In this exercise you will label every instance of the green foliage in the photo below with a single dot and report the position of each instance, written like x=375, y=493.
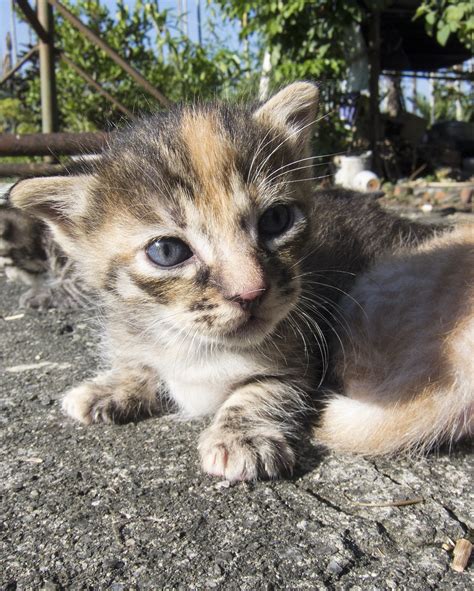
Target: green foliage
x=306, y=40
x=446, y=17
x=150, y=40
x=445, y=98
x=422, y=106
x=14, y=117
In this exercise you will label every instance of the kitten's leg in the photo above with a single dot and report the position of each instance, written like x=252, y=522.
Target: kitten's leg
x=253, y=431
x=115, y=396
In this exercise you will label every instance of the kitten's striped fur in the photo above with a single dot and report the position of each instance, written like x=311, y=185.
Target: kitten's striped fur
x=205, y=174
x=408, y=365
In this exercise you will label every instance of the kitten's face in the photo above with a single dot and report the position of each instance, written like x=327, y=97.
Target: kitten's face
x=195, y=223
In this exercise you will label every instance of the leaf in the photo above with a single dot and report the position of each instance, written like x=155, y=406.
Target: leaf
x=430, y=18
x=442, y=34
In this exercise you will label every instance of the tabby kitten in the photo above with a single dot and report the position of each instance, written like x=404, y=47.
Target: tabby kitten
x=30, y=256
x=218, y=268
x=407, y=363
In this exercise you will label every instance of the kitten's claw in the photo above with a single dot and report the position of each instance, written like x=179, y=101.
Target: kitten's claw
x=235, y=456
x=87, y=404
x=95, y=403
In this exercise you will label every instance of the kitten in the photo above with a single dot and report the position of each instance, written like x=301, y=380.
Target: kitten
x=407, y=370
x=218, y=269
x=29, y=255
x=22, y=252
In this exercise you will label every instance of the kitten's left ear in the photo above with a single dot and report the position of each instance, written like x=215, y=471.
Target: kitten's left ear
x=55, y=199
x=59, y=201
x=293, y=109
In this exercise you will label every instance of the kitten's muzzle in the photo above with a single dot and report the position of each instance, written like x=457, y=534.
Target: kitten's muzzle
x=249, y=300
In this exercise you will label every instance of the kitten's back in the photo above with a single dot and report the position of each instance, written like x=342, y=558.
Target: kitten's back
x=407, y=370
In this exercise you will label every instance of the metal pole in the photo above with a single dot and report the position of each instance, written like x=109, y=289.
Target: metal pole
x=85, y=76
x=41, y=144
x=13, y=30
x=24, y=170
x=415, y=95
x=49, y=111
x=32, y=19
x=87, y=32
x=199, y=21
x=185, y=18
x=17, y=66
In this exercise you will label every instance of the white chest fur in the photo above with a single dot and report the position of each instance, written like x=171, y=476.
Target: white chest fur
x=199, y=384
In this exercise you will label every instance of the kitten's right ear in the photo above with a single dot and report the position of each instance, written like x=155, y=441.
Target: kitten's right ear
x=293, y=109
x=59, y=201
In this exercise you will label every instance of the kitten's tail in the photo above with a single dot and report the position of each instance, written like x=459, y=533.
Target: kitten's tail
x=368, y=428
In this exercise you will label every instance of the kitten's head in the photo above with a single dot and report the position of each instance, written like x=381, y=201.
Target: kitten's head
x=195, y=222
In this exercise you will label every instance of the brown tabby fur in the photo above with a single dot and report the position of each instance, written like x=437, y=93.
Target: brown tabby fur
x=205, y=174
x=407, y=364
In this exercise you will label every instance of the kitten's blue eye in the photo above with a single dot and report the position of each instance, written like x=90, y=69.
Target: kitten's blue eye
x=275, y=221
x=168, y=252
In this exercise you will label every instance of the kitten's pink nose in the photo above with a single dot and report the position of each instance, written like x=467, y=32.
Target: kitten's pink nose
x=250, y=297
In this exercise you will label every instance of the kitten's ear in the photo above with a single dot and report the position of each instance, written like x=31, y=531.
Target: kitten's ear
x=59, y=201
x=294, y=109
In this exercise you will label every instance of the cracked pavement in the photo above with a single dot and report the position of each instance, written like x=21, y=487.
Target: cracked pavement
x=126, y=507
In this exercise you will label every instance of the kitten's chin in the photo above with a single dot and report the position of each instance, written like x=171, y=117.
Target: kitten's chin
x=252, y=332
x=249, y=333
x=255, y=329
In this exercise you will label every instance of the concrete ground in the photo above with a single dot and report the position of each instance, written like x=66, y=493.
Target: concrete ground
x=126, y=507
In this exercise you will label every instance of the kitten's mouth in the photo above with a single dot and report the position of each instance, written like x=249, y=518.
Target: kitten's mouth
x=251, y=327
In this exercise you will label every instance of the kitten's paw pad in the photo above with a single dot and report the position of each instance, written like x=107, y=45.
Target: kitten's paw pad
x=240, y=456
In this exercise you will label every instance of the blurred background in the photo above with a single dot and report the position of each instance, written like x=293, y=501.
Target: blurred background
x=396, y=77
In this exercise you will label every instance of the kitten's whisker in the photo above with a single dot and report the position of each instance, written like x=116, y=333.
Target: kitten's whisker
x=291, y=164
x=287, y=138
x=338, y=314
x=294, y=325
x=324, y=271
x=319, y=314
x=313, y=178
x=260, y=147
x=322, y=345
x=347, y=294
x=315, y=330
x=305, y=159
x=273, y=177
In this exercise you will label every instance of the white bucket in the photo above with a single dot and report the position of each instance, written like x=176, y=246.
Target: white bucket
x=349, y=167
x=356, y=167
x=366, y=181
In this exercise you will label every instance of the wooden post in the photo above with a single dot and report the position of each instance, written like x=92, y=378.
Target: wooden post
x=374, y=53
x=49, y=107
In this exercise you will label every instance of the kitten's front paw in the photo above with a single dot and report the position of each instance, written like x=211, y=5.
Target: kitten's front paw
x=89, y=403
x=95, y=402
x=236, y=455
